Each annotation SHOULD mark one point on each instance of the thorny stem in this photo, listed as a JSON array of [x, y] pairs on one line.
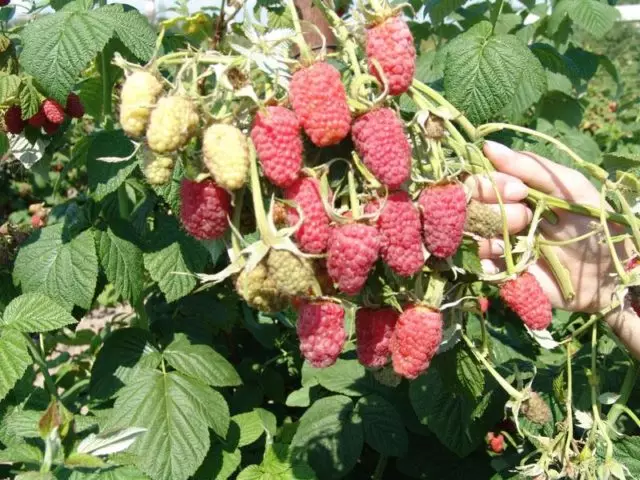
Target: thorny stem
[[626, 208], [625, 392], [593, 319], [513, 393], [305, 52], [585, 210], [594, 170], [593, 381], [622, 273], [560, 272], [220, 26], [569, 405], [353, 195], [378, 474], [256, 195], [508, 256], [39, 359], [563, 243], [237, 218]]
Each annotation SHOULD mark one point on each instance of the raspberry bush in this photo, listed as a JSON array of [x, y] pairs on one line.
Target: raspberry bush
[[276, 215]]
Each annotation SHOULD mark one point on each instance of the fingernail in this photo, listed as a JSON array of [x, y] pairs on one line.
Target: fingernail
[[496, 148], [489, 267], [515, 190]]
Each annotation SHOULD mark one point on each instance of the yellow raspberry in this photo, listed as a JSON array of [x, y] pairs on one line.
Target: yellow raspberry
[[259, 291], [226, 155], [173, 122], [292, 275], [158, 171], [139, 94]]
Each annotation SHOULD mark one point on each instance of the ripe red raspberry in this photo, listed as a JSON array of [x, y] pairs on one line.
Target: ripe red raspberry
[[319, 99], [353, 250], [4, 3], [313, 234], [496, 443], [415, 340], [525, 297], [276, 136], [374, 328], [74, 109], [381, 141], [205, 208], [37, 221], [483, 303], [13, 121], [50, 128], [321, 331], [444, 209], [53, 111], [401, 235], [391, 44], [39, 119]]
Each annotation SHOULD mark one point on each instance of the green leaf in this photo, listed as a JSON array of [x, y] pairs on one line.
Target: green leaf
[[58, 47], [62, 268], [250, 427], [121, 260], [35, 312], [531, 88], [213, 406], [9, 86], [128, 472], [219, 464], [106, 177], [439, 9], [135, 32], [383, 426], [468, 257], [329, 437], [30, 98], [172, 258], [462, 372], [201, 362], [483, 71], [177, 437], [347, 377], [21, 453], [14, 358], [627, 451], [458, 422], [595, 17], [126, 353]]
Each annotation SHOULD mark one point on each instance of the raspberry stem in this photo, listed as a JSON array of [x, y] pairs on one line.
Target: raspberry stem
[[622, 273], [256, 195], [435, 291], [626, 208], [560, 272], [305, 51]]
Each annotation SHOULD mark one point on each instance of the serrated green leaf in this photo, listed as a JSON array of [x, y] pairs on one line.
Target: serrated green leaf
[[383, 426], [128, 472], [458, 422], [9, 86], [252, 472], [213, 406], [299, 398], [125, 353], [329, 437], [250, 427], [595, 17], [201, 362], [483, 71], [529, 91], [36, 313], [172, 258], [58, 47], [219, 464], [122, 262], [14, 358], [135, 32], [439, 9], [21, 453], [30, 98], [62, 268], [176, 432], [106, 177]]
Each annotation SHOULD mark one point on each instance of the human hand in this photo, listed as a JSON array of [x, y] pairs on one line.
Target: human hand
[[589, 261]]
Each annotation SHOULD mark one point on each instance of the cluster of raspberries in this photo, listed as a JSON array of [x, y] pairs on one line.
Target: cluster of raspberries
[[49, 116], [399, 230]]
